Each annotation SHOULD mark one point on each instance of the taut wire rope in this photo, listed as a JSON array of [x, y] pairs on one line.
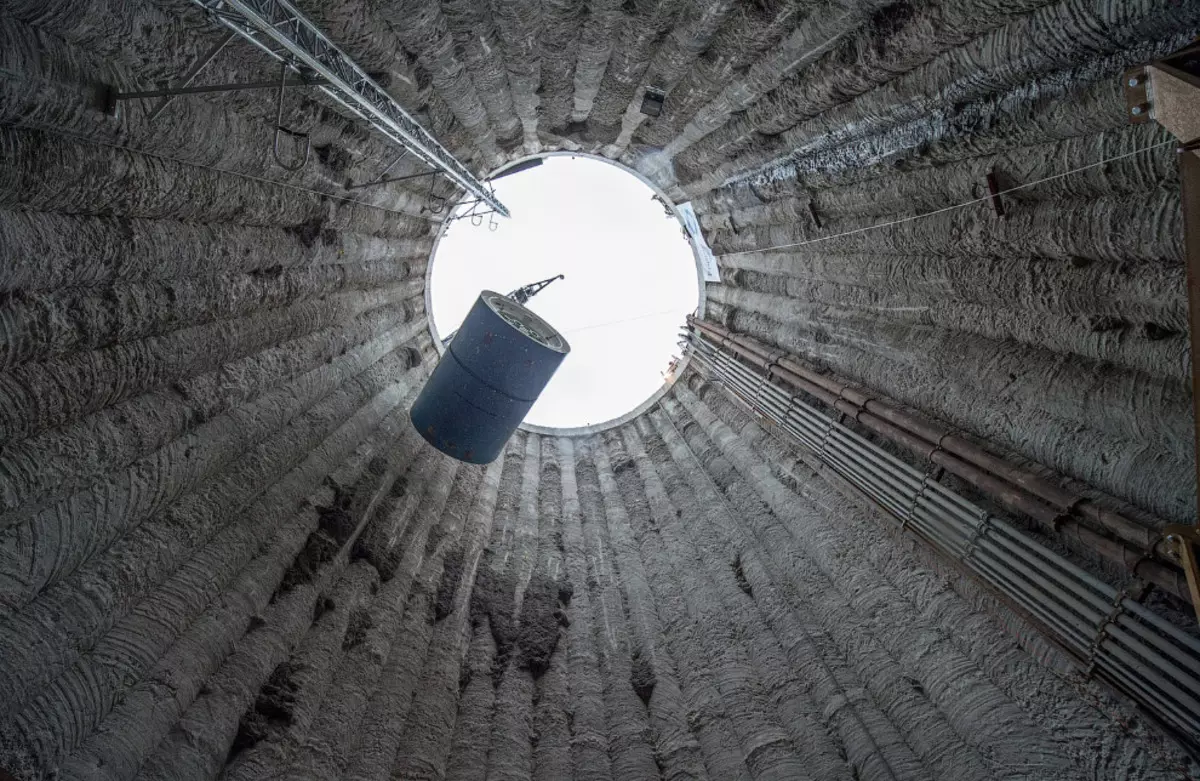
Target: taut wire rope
[[943, 210]]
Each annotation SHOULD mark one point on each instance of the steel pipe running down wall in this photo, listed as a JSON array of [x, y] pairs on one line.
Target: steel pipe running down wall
[[1110, 635], [1131, 546]]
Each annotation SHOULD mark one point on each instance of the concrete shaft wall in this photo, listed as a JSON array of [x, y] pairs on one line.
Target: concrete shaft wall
[[224, 553]]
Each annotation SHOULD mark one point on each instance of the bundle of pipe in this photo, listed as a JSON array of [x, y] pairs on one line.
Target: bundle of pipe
[[1109, 634], [1132, 546]]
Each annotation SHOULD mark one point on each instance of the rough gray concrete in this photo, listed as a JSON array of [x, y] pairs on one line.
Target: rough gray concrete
[[224, 554]]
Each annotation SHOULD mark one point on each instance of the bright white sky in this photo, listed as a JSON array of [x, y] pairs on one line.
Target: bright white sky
[[630, 281]]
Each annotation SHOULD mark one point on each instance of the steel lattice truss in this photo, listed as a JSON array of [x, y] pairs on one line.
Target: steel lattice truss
[[279, 29]]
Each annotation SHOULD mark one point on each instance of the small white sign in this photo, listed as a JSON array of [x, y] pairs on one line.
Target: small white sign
[[708, 262]]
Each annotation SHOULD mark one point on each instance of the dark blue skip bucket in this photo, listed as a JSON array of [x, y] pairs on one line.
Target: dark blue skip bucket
[[493, 371]]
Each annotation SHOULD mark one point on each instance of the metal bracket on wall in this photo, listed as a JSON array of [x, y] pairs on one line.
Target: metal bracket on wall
[[1185, 544], [191, 75], [390, 179], [993, 185], [403, 154], [383, 178], [439, 200], [280, 30], [652, 101], [110, 97], [1137, 98], [812, 212], [1168, 92], [476, 216]]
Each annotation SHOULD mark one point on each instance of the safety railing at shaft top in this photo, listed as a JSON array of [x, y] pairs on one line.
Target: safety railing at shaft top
[[1109, 634]]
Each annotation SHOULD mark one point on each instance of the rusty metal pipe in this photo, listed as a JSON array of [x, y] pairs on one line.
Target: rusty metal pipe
[[836, 392], [1014, 496], [1074, 606]]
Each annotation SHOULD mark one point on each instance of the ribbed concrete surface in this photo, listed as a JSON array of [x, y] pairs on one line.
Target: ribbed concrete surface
[[225, 554]]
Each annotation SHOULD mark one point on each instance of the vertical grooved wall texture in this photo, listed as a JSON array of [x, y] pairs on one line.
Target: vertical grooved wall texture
[[225, 554]]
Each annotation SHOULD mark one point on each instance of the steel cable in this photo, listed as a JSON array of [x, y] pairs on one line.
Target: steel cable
[[984, 199]]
